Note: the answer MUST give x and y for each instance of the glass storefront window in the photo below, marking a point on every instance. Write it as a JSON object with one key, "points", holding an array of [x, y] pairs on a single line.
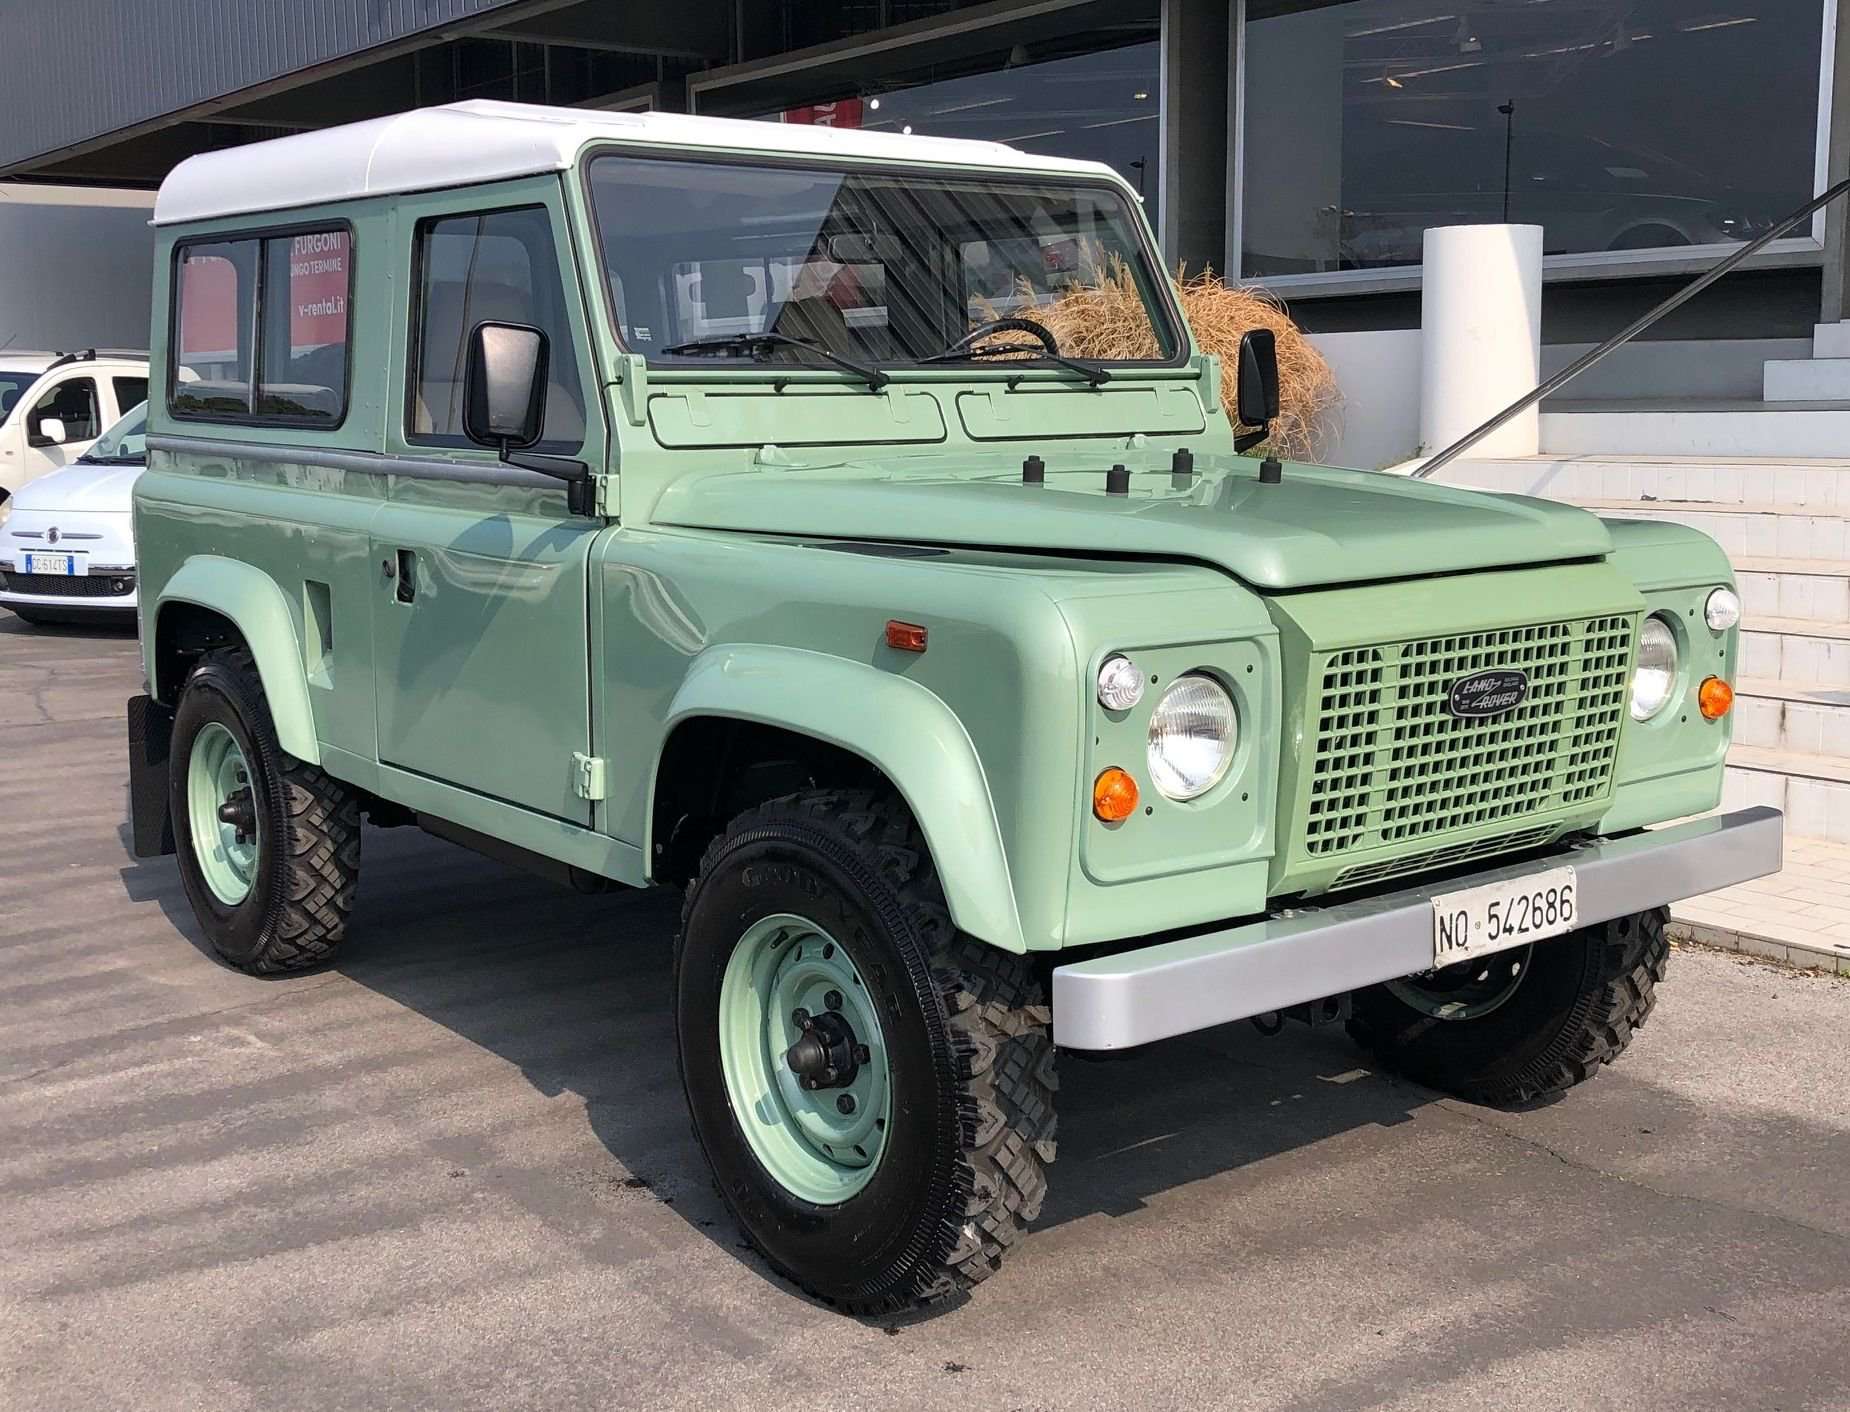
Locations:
{"points": [[1100, 107], [1613, 124]]}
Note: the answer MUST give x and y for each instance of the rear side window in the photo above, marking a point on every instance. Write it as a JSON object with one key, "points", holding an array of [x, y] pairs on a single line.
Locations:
{"points": [[261, 329], [499, 267], [130, 394]]}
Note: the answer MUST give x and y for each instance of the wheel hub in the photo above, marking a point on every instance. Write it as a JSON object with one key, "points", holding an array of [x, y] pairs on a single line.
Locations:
{"points": [[221, 808], [240, 811], [804, 1059], [1467, 991], [828, 1055]]}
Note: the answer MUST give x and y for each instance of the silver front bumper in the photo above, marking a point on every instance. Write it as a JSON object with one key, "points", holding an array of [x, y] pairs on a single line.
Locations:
{"points": [[1174, 987]]}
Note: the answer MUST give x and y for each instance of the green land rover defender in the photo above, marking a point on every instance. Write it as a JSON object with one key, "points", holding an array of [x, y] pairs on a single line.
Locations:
{"points": [[665, 500]]}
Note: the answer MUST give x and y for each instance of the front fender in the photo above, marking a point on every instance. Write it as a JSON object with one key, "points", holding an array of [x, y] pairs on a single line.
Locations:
{"points": [[900, 727], [257, 608]]}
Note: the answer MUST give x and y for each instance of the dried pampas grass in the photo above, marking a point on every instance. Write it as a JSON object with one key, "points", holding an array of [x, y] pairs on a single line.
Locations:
{"points": [[1106, 319]]}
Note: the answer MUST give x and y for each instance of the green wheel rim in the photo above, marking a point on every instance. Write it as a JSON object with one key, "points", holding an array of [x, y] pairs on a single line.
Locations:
{"points": [[1467, 991], [217, 773], [821, 1145]]}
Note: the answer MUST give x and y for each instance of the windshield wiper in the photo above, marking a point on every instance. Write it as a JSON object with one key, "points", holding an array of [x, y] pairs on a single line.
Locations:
{"points": [[756, 345], [1091, 372]]}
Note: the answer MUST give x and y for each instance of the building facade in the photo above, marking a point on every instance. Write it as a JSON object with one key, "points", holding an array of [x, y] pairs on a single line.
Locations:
{"points": [[1301, 145]]}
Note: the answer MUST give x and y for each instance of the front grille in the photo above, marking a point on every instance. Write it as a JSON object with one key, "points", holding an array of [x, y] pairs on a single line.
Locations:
{"points": [[1448, 856], [99, 585], [1392, 770]]}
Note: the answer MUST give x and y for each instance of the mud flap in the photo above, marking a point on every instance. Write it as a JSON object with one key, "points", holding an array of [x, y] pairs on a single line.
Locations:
{"points": [[150, 733]]}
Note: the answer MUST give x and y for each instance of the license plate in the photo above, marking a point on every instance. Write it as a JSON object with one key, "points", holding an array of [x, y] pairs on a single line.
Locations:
{"points": [[61, 562], [1498, 916]]}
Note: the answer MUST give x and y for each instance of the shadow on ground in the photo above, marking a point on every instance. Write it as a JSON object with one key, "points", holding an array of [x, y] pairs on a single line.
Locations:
{"points": [[103, 627], [575, 991]]}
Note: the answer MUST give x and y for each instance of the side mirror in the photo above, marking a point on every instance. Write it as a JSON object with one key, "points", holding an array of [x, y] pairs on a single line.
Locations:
{"points": [[1258, 386], [504, 389], [50, 432]]}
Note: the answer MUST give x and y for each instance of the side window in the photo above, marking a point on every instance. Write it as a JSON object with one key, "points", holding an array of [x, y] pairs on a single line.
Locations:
{"points": [[215, 314], [303, 373], [72, 402], [260, 325], [496, 266], [130, 394]]}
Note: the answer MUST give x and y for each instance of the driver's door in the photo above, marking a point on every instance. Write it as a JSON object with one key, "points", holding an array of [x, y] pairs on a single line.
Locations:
{"points": [[480, 622]]}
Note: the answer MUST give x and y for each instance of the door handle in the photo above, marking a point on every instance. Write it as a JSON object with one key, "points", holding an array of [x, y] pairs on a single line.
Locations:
{"points": [[406, 590]]}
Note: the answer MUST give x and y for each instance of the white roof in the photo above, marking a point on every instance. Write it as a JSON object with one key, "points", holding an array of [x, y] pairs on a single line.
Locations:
{"points": [[464, 143]]}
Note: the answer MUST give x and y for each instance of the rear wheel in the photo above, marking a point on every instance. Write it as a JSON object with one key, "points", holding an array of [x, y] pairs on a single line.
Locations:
{"points": [[1521, 1025], [269, 847], [873, 1089]]}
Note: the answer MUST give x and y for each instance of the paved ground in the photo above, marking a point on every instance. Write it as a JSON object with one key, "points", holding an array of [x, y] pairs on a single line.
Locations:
{"points": [[454, 1172]]}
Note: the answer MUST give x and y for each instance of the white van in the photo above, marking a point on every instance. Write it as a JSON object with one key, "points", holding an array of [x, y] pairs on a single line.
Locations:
{"points": [[53, 406]]}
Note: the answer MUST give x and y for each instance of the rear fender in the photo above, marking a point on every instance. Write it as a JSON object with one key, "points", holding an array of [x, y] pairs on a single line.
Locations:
{"points": [[901, 728], [250, 599]]}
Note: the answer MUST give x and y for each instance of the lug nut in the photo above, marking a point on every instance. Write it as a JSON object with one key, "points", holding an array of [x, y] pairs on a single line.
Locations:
{"points": [[845, 1104], [861, 1054], [799, 1017], [832, 1000]]}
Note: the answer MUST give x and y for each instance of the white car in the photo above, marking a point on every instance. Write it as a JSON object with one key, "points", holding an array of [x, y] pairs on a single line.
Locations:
{"points": [[67, 553], [54, 405]]}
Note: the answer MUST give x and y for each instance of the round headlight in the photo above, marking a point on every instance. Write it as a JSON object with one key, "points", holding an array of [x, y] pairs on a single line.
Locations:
{"points": [[1656, 672], [1193, 732], [1120, 684], [1723, 610]]}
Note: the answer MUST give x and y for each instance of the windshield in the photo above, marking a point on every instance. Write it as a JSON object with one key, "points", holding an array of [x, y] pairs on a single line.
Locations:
{"points": [[12, 386], [125, 443], [876, 267]]}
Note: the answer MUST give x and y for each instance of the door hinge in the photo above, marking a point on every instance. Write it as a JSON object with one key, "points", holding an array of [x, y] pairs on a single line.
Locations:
{"points": [[588, 776]]}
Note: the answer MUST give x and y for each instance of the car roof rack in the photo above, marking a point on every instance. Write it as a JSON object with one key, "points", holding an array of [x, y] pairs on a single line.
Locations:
{"points": [[90, 355]]}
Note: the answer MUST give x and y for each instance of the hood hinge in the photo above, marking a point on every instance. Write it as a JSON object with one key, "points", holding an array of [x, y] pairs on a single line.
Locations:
{"points": [[587, 776]]}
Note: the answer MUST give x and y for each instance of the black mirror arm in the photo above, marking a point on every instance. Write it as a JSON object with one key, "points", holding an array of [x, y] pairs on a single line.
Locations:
{"points": [[560, 467], [1243, 444], [580, 489]]}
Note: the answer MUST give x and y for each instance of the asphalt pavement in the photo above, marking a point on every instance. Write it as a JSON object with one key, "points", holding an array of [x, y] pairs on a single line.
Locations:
{"points": [[454, 1171]]}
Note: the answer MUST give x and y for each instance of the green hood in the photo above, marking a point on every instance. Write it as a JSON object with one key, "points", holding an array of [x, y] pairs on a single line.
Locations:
{"points": [[1317, 527]]}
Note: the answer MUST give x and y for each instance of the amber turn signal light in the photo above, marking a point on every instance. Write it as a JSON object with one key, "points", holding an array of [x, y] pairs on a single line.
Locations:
{"points": [[1114, 795], [1714, 697], [904, 637]]}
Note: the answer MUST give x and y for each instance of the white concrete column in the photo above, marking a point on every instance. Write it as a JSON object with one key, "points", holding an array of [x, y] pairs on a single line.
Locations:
{"points": [[1481, 336]]}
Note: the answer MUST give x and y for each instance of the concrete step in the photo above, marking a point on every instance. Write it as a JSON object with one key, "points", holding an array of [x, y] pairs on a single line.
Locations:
{"points": [[1794, 718], [1796, 649], [1813, 790], [1719, 430], [1830, 340], [1815, 486], [1814, 589], [1806, 379], [1753, 529]]}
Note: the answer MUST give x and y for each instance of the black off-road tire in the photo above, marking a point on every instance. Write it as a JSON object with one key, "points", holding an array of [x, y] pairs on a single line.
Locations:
{"points": [[967, 1026], [308, 856], [1584, 996]]}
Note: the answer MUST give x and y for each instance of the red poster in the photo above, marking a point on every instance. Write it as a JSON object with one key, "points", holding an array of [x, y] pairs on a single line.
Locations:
{"points": [[208, 307], [317, 289], [844, 113]]}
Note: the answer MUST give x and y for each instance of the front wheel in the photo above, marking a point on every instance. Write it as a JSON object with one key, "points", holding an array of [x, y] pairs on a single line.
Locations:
{"points": [[1520, 1025], [873, 1089]]}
